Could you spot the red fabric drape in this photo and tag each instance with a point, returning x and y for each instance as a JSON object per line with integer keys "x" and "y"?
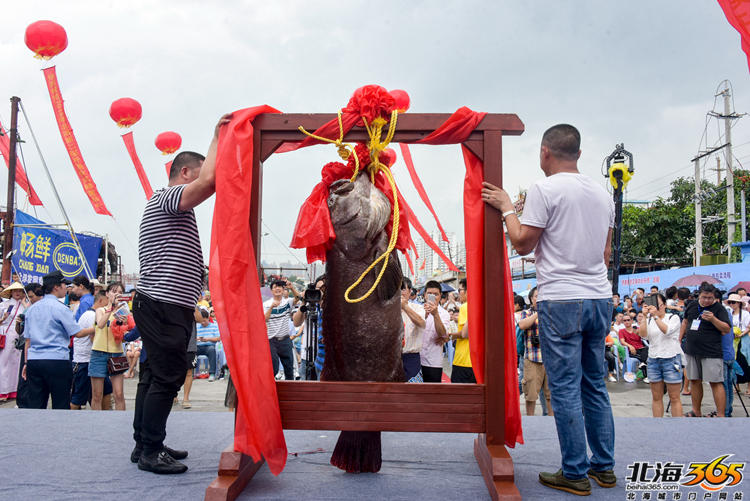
{"x": 420, "y": 187}
{"x": 235, "y": 292}
{"x": 74, "y": 152}
{"x": 130, "y": 146}
{"x": 21, "y": 179}
{"x": 737, "y": 13}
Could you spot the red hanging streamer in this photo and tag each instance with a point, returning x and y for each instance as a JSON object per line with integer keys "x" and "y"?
{"x": 737, "y": 13}
{"x": 71, "y": 145}
{"x": 21, "y": 179}
{"x": 168, "y": 165}
{"x": 420, "y": 187}
{"x": 130, "y": 146}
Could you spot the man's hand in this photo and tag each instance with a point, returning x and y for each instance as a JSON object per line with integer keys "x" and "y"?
{"x": 23, "y": 372}
{"x": 631, "y": 349}
{"x": 275, "y": 303}
{"x": 430, "y": 308}
{"x": 496, "y": 197}
{"x": 225, "y": 119}
{"x": 707, "y": 316}
{"x": 404, "y": 302}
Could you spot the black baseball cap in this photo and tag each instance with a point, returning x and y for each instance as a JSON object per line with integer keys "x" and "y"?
{"x": 54, "y": 278}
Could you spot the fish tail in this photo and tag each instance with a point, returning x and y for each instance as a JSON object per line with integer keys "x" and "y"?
{"x": 358, "y": 452}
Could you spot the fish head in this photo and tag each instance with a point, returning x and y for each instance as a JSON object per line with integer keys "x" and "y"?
{"x": 359, "y": 212}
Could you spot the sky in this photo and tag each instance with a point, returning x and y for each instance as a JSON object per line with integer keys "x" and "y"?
{"x": 640, "y": 73}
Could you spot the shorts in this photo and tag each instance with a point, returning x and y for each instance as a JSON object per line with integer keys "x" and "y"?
{"x": 710, "y": 370}
{"x": 534, "y": 379}
{"x": 461, "y": 374}
{"x": 81, "y": 392}
{"x": 98, "y": 363}
{"x": 665, "y": 369}
{"x": 192, "y": 360}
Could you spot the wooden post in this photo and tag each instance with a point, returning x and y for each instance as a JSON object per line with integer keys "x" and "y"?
{"x": 10, "y": 206}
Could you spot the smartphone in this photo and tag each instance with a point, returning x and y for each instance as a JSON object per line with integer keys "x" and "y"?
{"x": 651, "y": 300}
{"x": 432, "y": 298}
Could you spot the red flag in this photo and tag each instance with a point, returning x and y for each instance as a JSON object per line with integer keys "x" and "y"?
{"x": 21, "y": 179}
{"x": 74, "y": 152}
{"x": 420, "y": 187}
{"x": 738, "y": 15}
{"x": 130, "y": 146}
{"x": 235, "y": 293}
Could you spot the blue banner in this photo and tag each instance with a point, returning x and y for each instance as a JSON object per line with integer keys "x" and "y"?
{"x": 40, "y": 250}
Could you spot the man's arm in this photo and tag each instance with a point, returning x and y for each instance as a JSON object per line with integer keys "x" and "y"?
{"x": 25, "y": 357}
{"x": 85, "y": 332}
{"x": 205, "y": 186}
{"x": 523, "y": 237}
{"x": 415, "y": 317}
{"x": 608, "y": 248}
{"x": 297, "y": 318}
{"x": 527, "y": 322}
{"x": 683, "y": 329}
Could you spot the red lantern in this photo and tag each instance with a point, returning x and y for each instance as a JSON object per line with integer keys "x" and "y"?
{"x": 401, "y": 98}
{"x": 168, "y": 142}
{"x": 46, "y": 39}
{"x": 125, "y": 111}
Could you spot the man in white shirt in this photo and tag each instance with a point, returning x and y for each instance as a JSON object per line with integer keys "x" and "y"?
{"x": 434, "y": 335}
{"x": 567, "y": 222}
{"x": 278, "y": 312}
{"x": 412, "y": 315}
{"x": 81, "y": 392}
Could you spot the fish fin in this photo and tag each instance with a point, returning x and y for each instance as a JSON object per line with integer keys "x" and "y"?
{"x": 390, "y": 284}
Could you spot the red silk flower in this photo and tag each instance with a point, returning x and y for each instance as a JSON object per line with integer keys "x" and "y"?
{"x": 371, "y": 102}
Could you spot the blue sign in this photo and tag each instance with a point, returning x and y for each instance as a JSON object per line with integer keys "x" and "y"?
{"x": 40, "y": 250}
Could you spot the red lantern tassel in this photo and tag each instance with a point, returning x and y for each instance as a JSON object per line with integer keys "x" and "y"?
{"x": 130, "y": 146}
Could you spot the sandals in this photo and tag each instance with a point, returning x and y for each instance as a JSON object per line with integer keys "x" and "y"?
{"x": 712, "y": 414}
{"x": 691, "y": 414}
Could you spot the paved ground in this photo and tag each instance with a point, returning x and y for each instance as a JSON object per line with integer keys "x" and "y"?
{"x": 628, "y": 399}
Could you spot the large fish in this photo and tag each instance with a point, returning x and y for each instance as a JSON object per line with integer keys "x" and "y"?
{"x": 362, "y": 340}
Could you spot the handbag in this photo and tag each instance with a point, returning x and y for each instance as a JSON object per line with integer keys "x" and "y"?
{"x": 116, "y": 365}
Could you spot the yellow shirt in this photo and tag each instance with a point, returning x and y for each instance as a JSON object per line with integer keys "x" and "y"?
{"x": 104, "y": 341}
{"x": 462, "y": 357}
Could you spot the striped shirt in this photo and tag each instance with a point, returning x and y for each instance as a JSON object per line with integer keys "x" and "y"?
{"x": 169, "y": 250}
{"x": 278, "y": 323}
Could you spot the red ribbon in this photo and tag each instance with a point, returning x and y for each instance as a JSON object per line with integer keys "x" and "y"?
{"x": 235, "y": 293}
{"x": 71, "y": 145}
{"x": 21, "y": 179}
{"x": 130, "y": 146}
{"x": 420, "y": 187}
{"x": 737, "y": 13}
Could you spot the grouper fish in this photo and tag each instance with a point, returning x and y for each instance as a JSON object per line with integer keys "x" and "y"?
{"x": 362, "y": 340}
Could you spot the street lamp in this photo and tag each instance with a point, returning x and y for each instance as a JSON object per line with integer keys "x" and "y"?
{"x": 619, "y": 171}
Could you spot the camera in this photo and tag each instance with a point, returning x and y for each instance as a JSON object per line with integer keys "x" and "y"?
{"x": 534, "y": 338}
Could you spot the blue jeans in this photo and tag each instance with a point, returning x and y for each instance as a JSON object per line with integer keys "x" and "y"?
{"x": 572, "y": 336}
{"x": 729, "y": 379}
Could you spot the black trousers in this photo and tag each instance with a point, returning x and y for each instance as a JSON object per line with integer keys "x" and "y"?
{"x": 22, "y": 400}
{"x": 432, "y": 374}
{"x": 45, "y": 378}
{"x": 165, "y": 330}
{"x": 282, "y": 348}
{"x": 642, "y": 355}
{"x": 460, "y": 374}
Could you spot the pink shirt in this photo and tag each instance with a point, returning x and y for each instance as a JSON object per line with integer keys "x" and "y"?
{"x": 431, "y": 354}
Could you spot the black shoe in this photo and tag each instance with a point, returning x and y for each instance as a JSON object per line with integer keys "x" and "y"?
{"x": 175, "y": 454}
{"x": 606, "y": 478}
{"x": 161, "y": 463}
{"x": 138, "y": 449}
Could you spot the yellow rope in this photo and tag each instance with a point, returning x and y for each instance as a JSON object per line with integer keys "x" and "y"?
{"x": 376, "y": 146}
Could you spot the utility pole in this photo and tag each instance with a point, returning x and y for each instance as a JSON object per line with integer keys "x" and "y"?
{"x": 698, "y": 221}
{"x": 718, "y": 170}
{"x": 9, "y": 210}
{"x": 731, "y": 222}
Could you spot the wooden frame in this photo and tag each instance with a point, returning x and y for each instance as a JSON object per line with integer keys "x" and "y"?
{"x": 333, "y": 405}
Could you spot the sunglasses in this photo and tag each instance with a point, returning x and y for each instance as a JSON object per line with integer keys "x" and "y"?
{"x": 627, "y": 319}
{"x": 732, "y": 302}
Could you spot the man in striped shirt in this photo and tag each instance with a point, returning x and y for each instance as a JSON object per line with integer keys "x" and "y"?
{"x": 171, "y": 280}
{"x": 278, "y": 311}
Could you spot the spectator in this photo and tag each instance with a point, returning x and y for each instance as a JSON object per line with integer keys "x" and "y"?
{"x": 630, "y": 339}
{"x": 674, "y": 305}
{"x": 520, "y": 305}
{"x": 662, "y": 330}
{"x": 627, "y": 304}
{"x": 192, "y": 362}
{"x": 83, "y": 288}
{"x": 616, "y": 305}
{"x": 81, "y": 392}
{"x": 133, "y": 353}
{"x": 609, "y": 356}
{"x": 740, "y": 346}
{"x": 568, "y": 219}
{"x": 104, "y": 347}
{"x": 741, "y": 292}
{"x": 640, "y": 293}
{"x": 308, "y": 368}
{"x": 618, "y": 324}
{"x": 10, "y": 357}
{"x": 278, "y": 311}
{"x": 640, "y": 318}
{"x": 208, "y": 336}
{"x": 705, "y": 322}
{"x": 34, "y": 293}
{"x": 434, "y": 335}
{"x": 462, "y": 371}
{"x": 413, "y": 317}
{"x": 535, "y": 377}
{"x": 49, "y": 327}
{"x": 654, "y": 290}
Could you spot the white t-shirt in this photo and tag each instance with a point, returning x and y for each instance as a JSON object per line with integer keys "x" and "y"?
{"x": 664, "y": 344}
{"x": 742, "y": 324}
{"x": 576, "y": 214}
{"x": 278, "y": 324}
{"x": 431, "y": 354}
{"x": 82, "y": 345}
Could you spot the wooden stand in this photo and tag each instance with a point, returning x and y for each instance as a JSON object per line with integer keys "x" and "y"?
{"x": 332, "y": 405}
